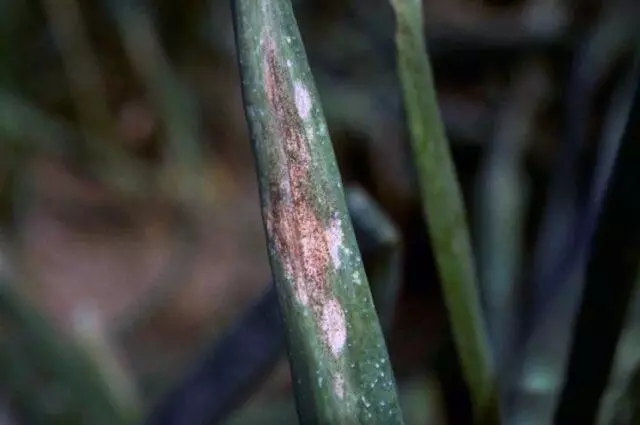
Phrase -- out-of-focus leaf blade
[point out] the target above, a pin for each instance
(444, 210)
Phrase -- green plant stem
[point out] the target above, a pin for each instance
(502, 193)
(444, 210)
(337, 352)
(620, 403)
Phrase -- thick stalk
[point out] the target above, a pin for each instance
(336, 348)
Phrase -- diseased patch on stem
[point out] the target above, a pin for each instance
(296, 231)
(335, 238)
(338, 386)
(333, 325)
(306, 247)
(303, 100)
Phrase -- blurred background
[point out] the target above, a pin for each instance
(129, 209)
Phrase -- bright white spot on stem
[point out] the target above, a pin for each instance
(334, 326)
(303, 100)
(338, 386)
(356, 278)
(301, 293)
(365, 402)
(335, 241)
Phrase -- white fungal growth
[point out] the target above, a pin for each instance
(302, 99)
(301, 292)
(366, 402)
(335, 241)
(333, 326)
(338, 386)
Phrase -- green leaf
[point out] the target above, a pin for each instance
(444, 210)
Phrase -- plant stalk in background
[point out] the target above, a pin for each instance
(500, 206)
(444, 210)
(338, 356)
(612, 258)
(171, 97)
(37, 365)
